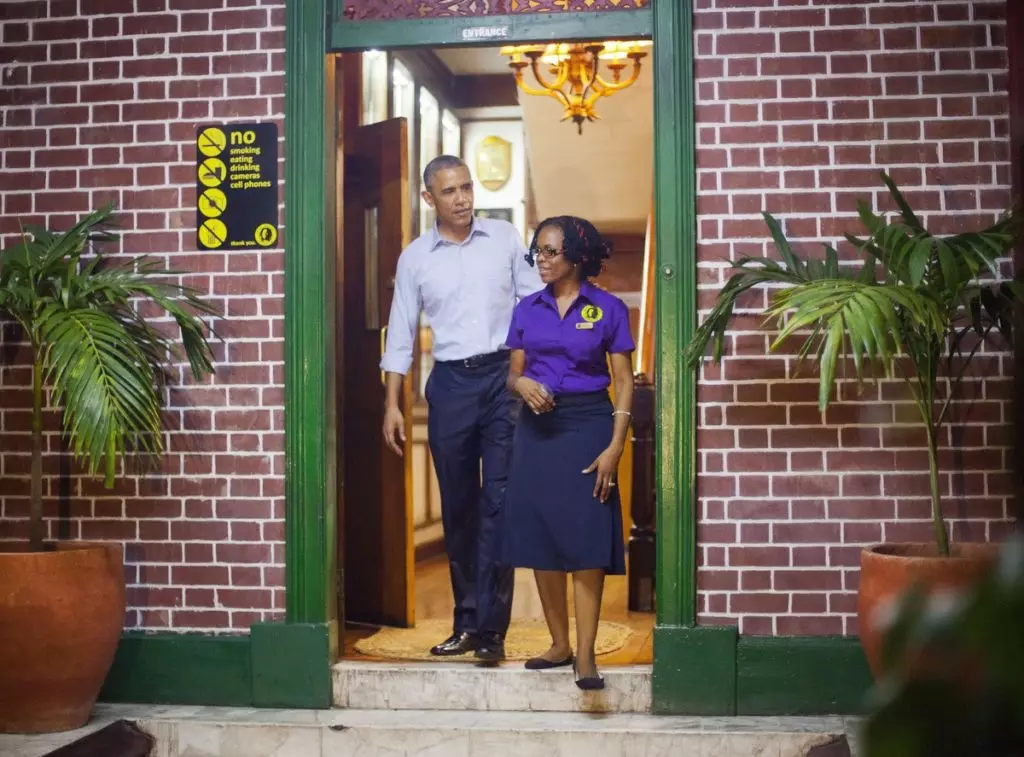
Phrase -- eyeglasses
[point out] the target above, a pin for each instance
(546, 252)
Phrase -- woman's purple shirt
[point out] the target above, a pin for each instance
(570, 354)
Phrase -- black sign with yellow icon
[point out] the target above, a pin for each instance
(236, 186)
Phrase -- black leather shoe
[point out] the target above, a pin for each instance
(458, 643)
(491, 649)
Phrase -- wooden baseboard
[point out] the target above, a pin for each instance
(428, 550)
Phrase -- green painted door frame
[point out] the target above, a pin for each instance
(675, 220)
(310, 468)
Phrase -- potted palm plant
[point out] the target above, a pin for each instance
(954, 671)
(104, 367)
(918, 307)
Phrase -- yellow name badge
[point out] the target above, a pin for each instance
(584, 326)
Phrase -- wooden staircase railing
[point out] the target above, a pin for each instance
(644, 495)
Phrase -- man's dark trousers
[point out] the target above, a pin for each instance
(471, 422)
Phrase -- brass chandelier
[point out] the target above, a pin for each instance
(573, 68)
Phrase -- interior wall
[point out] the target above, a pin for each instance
(513, 194)
(605, 173)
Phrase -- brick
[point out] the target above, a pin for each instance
(807, 580)
(755, 580)
(809, 625)
(847, 87)
(795, 156)
(954, 83)
(908, 62)
(755, 533)
(901, 14)
(794, 42)
(758, 603)
(741, 509)
(146, 23)
(957, 129)
(740, 556)
(747, 90)
(744, 44)
(914, 153)
(794, 65)
(829, 40)
(64, 29)
(944, 37)
(796, 88)
(844, 65)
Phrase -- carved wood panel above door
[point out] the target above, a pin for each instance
(378, 10)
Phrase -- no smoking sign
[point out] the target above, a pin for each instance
(236, 186)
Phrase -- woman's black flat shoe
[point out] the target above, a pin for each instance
(539, 663)
(593, 683)
(590, 683)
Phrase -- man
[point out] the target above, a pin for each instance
(466, 275)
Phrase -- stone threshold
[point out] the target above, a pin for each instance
(467, 686)
(249, 732)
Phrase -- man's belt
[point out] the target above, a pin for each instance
(478, 361)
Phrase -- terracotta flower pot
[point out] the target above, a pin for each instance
(61, 614)
(887, 570)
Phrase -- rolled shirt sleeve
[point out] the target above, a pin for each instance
(403, 321)
(525, 277)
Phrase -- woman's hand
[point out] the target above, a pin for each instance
(606, 465)
(534, 395)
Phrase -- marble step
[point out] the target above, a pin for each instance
(465, 686)
(366, 733)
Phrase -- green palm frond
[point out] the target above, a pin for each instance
(916, 297)
(104, 381)
(855, 319)
(911, 255)
(105, 363)
(145, 278)
(752, 273)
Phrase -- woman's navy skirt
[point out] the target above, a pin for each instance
(553, 521)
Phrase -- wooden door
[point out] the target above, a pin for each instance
(377, 543)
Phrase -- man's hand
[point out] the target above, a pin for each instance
(394, 429)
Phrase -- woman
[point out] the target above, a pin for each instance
(562, 513)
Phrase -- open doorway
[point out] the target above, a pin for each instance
(400, 109)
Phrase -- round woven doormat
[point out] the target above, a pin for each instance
(525, 639)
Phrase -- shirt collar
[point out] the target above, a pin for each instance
(586, 293)
(437, 241)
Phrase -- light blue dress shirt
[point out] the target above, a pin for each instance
(467, 292)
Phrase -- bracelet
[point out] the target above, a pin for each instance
(621, 412)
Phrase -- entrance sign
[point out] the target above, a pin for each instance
(484, 32)
(236, 186)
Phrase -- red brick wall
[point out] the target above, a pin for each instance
(99, 101)
(799, 106)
